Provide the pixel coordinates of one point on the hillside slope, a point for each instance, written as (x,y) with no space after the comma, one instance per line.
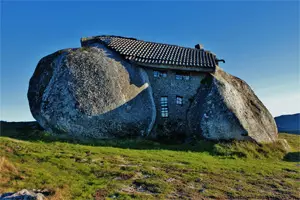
(136,169)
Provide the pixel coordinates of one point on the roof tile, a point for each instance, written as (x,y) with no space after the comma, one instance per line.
(157,53)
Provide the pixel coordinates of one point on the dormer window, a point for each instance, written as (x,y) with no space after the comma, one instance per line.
(158,74)
(182,76)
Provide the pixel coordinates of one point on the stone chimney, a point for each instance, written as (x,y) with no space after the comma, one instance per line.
(199,46)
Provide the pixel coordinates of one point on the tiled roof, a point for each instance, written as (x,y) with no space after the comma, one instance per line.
(156,53)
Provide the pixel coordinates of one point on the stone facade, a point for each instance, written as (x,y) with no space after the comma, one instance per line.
(170,87)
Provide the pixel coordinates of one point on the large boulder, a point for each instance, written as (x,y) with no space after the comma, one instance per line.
(225,108)
(91,92)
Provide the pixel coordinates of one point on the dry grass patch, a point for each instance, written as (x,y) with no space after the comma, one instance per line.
(8,172)
(61,193)
(6,166)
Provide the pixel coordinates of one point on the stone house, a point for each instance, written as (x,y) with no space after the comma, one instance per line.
(175,74)
(116,87)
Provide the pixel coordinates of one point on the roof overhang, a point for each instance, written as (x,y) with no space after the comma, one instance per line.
(175,67)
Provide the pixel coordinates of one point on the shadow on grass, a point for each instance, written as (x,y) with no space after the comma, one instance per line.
(292,157)
(31,131)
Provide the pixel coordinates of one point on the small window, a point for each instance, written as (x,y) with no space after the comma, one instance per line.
(164,101)
(164,106)
(178,77)
(164,112)
(179,100)
(186,77)
(182,76)
(164,74)
(160,74)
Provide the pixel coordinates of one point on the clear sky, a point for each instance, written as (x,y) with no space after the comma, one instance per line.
(259,40)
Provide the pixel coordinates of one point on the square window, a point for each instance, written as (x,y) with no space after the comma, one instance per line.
(182,76)
(178,77)
(186,77)
(164,106)
(164,112)
(179,100)
(159,74)
(164,101)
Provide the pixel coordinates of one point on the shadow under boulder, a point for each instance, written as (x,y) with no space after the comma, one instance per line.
(292,157)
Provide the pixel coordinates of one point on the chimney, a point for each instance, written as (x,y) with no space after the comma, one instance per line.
(199,46)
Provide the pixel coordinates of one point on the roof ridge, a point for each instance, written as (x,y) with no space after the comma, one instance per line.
(118,36)
(161,43)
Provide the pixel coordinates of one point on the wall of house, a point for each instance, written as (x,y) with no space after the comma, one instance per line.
(170,87)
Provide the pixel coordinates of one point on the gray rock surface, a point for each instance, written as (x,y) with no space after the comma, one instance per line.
(22,195)
(225,107)
(91,92)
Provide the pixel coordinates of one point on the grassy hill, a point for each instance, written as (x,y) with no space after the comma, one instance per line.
(139,169)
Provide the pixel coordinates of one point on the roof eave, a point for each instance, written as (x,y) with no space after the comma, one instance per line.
(176,67)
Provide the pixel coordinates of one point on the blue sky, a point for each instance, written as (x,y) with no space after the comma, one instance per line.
(259,40)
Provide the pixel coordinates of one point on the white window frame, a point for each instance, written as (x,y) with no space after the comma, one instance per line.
(186,77)
(164,74)
(164,112)
(164,101)
(178,76)
(164,106)
(179,100)
(182,76)
(158,74)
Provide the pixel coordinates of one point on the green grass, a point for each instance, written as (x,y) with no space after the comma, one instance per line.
(139,169)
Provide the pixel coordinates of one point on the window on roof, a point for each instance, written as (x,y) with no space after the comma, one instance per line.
(159,74)
(164,106)
(182,76)
(179,100)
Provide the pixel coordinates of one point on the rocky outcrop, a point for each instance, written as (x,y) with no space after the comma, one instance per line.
(22,195)
(91,92)
(225,107)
